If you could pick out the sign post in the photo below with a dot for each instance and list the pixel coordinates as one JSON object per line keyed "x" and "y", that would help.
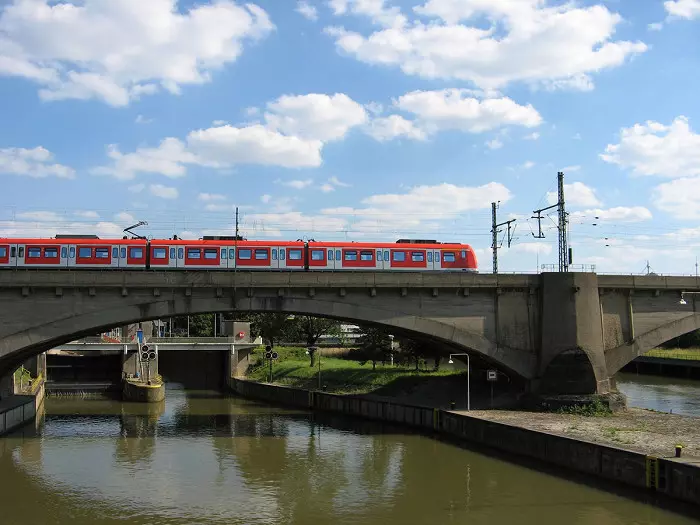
{"x": 491, "y": 377}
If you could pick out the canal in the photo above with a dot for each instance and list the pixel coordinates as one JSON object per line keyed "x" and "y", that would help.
{"x": 665, "y": 394}
{"x": 202, "y": 458}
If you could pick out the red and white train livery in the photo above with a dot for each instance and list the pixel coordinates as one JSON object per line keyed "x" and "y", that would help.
{"x": 227, "y": 254}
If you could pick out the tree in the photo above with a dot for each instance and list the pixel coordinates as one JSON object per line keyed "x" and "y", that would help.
{"x": 270, "y": 326}
{"x": 375, "y": 344}
{"x": 310, "y": 329}
{"x": 202, "y": 325}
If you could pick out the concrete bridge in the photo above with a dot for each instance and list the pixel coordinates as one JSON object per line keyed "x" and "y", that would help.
{"x": 563, "y": 333}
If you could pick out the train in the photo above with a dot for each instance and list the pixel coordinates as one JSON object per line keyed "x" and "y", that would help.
{"x": 234, "y": 253}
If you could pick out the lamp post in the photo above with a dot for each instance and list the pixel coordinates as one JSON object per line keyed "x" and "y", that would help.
{"x": 391, "y": 349}
{"x": 318, "y": 358}
{"x": 469, "y": 400}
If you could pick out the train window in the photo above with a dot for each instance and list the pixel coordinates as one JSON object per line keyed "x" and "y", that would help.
{"x": 261, "y": 255}
{"x": 64, "y": 253}
{"x": 72, "y": 252}
{"x": 464, "y": 254}
{"x": 430, "y": 256}
{"x": 351, "y": 255}
{"x": 317, "y": 255}
{"x": 437, "y": 257}
{"x": 160, "y": 253}
{"x": 85, "y": 253}
{"x": 194, "y": 253}
{"x": 337, "y": 255}
{"x": 21, "y": 251}
{"x": 33, "y": 252}
{"x": 3, "y": 251}
{"x": 102, "y": 253}
{"x": 448, "y": 257}
{"x": 274, "y": 254}
{"x": 379, "y": 255}
{"x": 281, "y": 254}
{"x": 13, "y": 251}
{"x": 366, "y": 256}
{"x": 180, "y": 253}
{"x": 122, "y": 253}
{"x": 115, "y": 252}
{"x": 211, "y": 253}
{"x": 51, "y": 253}
{"x": 294, "y": 255}
{"x": 399, "y": 256}
{"x": 417, "y": 256}
{"x": 172, "y": 253}
{"x": 223, "y": 253}
{"x": 231, "y": 253}
{"x": 386, "y": 255}
{"x": 245, "y": 254}
{"x": 136, "y": 253}
{"x": 330, "y": 255}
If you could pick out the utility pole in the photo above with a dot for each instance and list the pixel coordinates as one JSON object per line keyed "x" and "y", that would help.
{"x": 494, "y": 234}
{"x": 564, "y": 252}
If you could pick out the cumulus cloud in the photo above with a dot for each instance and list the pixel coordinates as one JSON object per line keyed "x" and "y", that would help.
{"x": 494, "y": 144}
{"x": 688, "y": 9}
{"x": 679, "y": 198}
{"x": 118, "y": 51}
{"x": 306, "y": 10}
{"x": 163, "y": 192}
{"x": 210, "y": 197}
{"x": 576, "y": 194}
{"x": 36, "y": 163}
{"x": 394, "y": 126}
{"x": 298, "y": 184}
{"x": 657, "y": 149}
{"x": 616, "y": 214}
{"x": 533, "y": 41}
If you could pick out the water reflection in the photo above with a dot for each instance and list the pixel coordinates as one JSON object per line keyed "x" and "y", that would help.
{"x": 204, "y": 458}
{"x": 665, "y": 394}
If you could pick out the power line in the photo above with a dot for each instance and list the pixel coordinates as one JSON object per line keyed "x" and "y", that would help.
{"x": 494, "y": 234}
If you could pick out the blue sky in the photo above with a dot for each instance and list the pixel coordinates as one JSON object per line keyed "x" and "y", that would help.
{"x": 359, "y": 120}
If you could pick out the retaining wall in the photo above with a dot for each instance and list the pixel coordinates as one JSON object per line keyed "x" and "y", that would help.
{"x": 17, "y": 410}
{"x": 143, "y": 393}
{"x": 678, "y": 479}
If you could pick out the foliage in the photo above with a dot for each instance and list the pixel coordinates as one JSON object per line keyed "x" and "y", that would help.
{"x": 692, "y": 354}
{"x": 596, "y": 408}
{"x": 202, "y": 325}
{"x": 272, "y": 327}
{"x": 310, "y": 329}
{"x": 376, "y": 345}
{"x": 689, "y": 340}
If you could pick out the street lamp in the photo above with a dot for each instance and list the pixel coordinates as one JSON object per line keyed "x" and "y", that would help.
{"x": 308, "y": 352}
{"x": 391, "y": 349}
{"x": 469, "y": 400}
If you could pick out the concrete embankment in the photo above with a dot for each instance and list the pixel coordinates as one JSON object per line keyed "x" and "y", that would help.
{"x": 676, "y": 478}
{"x": 142, "y": 392}
{"x": 18, "y": 410}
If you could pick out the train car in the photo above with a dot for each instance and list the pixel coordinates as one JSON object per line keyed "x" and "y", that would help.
{"x": 400, "y": 256}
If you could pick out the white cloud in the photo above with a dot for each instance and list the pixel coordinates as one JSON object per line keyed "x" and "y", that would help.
{"x": 542, "y": 248}
{"x": 528, "y": 165}
{"x": 465, "y": 110}
{"x": 265, "y": 198}
{"x": 576, "y": 194}
{"x": 326, "y": 188}
{"x": 298, "y": 184}
{"x": 617, "y": 214}
{"x": 306, "y": 10}
{"x": 530, "y": 41}
{"x": 140, "y": 119}
{"x": 137, "y": 188}
{"x": 393, "y": 126}
{"x": 494, "y": 144}
{"x": 218, "y": 123}
{"x": 44, "y": 224}
{"x": 532, "y": 136}
{"x": 683, "y": 8}
{"x": 657, "y": 26}
{"x": 125, "y": 217}
{"x": 34, "y": 163}
{"x": 336, "y": 182}
{"x": 163, "y": 192}
{"x": 209, "y": 197}
{"x": 315, "y": 116}
{"x": 87, "y": 214}
{"x": 656, "y": 149}
{"x": 679, "y": 198}
{"x": 117, "y": 51}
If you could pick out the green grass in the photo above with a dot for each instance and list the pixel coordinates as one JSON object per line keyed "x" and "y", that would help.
{"x": 594, "y": 409}
{"x": 692, "y": 354}
{"x": 339, "y": 375}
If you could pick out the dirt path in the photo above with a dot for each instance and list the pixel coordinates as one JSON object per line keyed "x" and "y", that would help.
{"x": 634, "y": 429}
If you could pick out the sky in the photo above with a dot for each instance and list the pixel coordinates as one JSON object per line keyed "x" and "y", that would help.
{"x": 359, "y": 120}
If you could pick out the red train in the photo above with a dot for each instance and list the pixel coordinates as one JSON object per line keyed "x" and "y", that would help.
{"x": 221, "y": 253}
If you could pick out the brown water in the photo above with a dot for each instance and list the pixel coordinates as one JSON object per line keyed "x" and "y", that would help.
{"x": 665, "y": 394}
{"x": 202, "y": 458}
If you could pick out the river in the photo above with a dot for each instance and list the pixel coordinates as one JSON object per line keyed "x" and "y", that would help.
{"x": 203, "y": 458}
{"x": 665, "y": 394}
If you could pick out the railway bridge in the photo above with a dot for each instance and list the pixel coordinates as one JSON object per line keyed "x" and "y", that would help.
{"x": 564, "y": 333}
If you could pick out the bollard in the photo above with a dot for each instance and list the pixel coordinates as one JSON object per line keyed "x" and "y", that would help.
{"x": 679, "y": 448}
{"x": 453, "y": 405}
{"x": 325, "y": 387}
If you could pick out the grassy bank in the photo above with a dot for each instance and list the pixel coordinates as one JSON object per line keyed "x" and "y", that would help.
{"x": 692, "y": 354}
{"x": 343, "y": 376}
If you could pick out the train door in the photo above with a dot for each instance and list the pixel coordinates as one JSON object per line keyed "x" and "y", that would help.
{"x": 17, "y": 252}
{"x": 5, "y": 250}
{"x": 379, "y": 259}
{"x": 275, "y": 258}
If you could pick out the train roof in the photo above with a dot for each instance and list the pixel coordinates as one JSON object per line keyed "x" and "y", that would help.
{"x": 73, "y": 240}
{"x": 200, "y": 242}
{"x": 388, "y": 245}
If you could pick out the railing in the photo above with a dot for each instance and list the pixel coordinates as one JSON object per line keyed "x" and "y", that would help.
{"x": 685, "y": 354}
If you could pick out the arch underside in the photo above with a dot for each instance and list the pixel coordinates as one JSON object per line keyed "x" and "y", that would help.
{"x": 16, "y": 347}
{"x": 620, "y": 356}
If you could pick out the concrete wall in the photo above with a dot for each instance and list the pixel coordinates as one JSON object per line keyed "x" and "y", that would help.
{"x": 16, "y": 411}
{"x": 143, "y": 393}
{"x": 677, "y": 479}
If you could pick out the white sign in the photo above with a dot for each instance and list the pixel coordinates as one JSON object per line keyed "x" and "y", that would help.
{"x": 491, "y": 375}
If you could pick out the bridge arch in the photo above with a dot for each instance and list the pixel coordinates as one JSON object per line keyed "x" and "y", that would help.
{"x": 620, "y": 356}
{"x": 16, "y": 347}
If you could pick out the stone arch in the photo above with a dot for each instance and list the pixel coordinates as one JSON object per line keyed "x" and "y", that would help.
{"x": 617, "y": 358}
{"x": 19, "y": 346}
